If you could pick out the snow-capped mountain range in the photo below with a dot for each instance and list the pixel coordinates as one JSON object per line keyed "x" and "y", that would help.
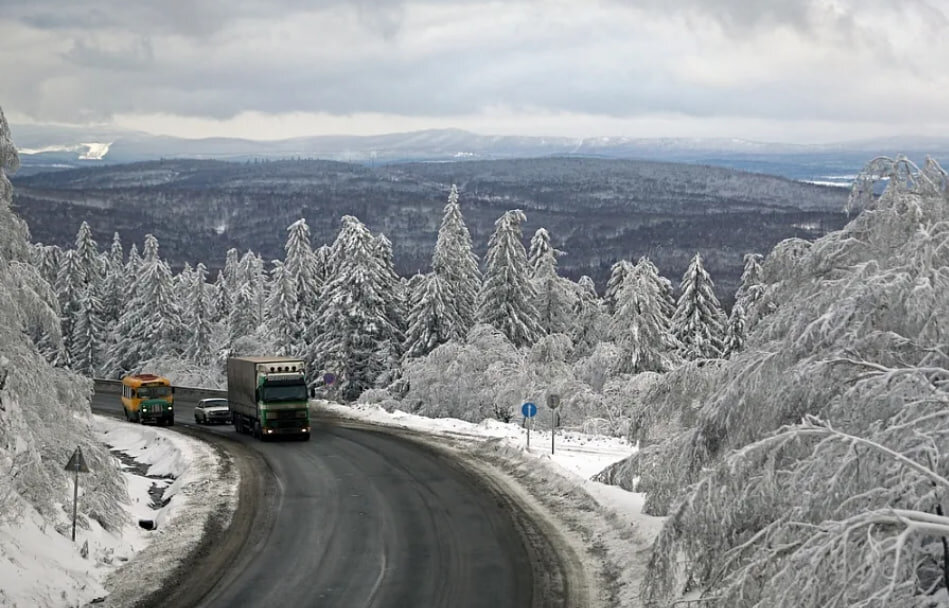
{"x": 50, "y": 147}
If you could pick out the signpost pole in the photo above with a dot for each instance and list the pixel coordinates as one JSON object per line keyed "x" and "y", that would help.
{"x": 553, "y": 400}
{"x": 77, "y": 465}
{"x": 529, "y": 410}
{"x": 75, "y": 498}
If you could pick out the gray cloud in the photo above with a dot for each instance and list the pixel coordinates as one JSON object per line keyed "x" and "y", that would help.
{"x": 219, "y": 58}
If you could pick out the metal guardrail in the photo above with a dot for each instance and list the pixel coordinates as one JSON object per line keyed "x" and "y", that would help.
{"x": 115, "y": 386}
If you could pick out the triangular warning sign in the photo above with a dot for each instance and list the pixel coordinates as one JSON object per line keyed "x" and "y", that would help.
{"x": 77, "y": 462}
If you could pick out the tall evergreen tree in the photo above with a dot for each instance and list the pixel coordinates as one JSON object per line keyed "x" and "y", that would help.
{"x": 698, "y": 322}
{"x": 589, "y": 316}
{"x": 456, "y": 265}
{"x": 619, "y": 273}
{"x": 301, "y": 266}
{"x": 394, "y": 297}
{"x": 151, "y": 323}
{"x": 198, "y": 316}
{"x": 751, "y": 291}
{"x": 430, "y": 321}
{"x": 735, "y": 331}
{"x": 507, "y": 297}
{"x": 354, "y": 337}
{"x": 640, "y": 326}
{"x": 282, "y": 314}
{"x": 555, "y": 296}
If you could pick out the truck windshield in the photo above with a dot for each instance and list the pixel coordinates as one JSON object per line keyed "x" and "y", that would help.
{"x": 284, "y": 392}
{"x": 147, "y": 392}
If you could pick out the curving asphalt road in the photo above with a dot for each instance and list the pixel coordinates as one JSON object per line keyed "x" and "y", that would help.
{"x": 356, "y": 518}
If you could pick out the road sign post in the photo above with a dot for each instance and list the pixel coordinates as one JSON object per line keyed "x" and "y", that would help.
{"x": 529, "y": 410}
{"x": 77, "y": 465}
{"x": 553, "y": 401}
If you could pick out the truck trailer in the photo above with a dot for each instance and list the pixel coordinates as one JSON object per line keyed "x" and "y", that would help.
{"x": 267, "y": 397}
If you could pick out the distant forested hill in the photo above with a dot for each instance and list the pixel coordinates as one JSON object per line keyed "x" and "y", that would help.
{"x": 596, "y": 210}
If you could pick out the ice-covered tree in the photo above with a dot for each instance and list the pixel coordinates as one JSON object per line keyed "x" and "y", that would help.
{"x": 430, "y": 320}
{"x": 751, "y": 291}
{"x": 198, "y": 317}
{"x": 640, "y": 327}
{"x": 555, "y": 296}
{"x": 541, "y": 252}
{"x": 114, "y": 283}
{"x": 455, "y": 264}
{"x": 353, "y": 335}
{"x": 282, "y": 317}
{"x": 151, "y": 324}
{"x": 698, "y": 322}
{"x": 845, "y": 507}
{"x": 44, "y": 411}
{"x": 507, "y": 297}
{"x": 619, "y": 273}
{"x": 589, "y": 318}
{"x": 304, "y": 269}
{"x": 246, "y": 291}
{"x": 735, "y": 331}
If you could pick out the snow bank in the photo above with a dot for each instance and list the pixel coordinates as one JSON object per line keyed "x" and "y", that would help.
{"x": 41, "y": 567}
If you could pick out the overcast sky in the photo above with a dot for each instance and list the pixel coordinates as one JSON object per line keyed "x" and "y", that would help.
{"x": 775, "y": 70}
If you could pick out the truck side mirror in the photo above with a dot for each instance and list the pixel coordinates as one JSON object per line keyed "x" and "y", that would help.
{"x": 172, "y": 390}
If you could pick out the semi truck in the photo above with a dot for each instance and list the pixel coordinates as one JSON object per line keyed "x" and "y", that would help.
{"x": 267, "y": 397}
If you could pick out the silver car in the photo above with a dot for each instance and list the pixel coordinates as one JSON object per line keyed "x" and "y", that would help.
{"x": 212, "y": 411}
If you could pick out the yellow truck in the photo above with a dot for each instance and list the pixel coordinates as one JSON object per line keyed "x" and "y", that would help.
{"x": 148, "y": 398}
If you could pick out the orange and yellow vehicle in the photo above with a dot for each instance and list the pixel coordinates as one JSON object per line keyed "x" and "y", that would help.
{"x": 148, "y": 398}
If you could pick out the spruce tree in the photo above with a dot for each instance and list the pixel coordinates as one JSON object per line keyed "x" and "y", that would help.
{"x": 303, "y": 268}
{"x": 353, "y": 335}
{"x": 619, "y": 273}
{"x": 198, "y": 315}
{"x": 456, "y": 265}
{"x": 281, "y": 312}
{"x": 507, "y": 297}
{"x": 640, "y": 326}
{"x": 698, "y": 323}
{"x": 151, "y": 323}
{"x": 430, "y": 321}
{"x": 555, "y": 296}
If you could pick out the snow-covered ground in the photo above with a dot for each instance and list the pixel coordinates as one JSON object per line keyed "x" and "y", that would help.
{"x": 39, "y": 566}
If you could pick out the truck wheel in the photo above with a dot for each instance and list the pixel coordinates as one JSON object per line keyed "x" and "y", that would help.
{"x": 170, "y": 422}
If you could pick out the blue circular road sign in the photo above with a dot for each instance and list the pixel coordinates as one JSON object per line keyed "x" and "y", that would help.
{"x": 329, "y": 378}
{"x": 529, "y": 410}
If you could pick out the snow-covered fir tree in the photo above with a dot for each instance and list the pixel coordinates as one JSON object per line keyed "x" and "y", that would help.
{"x": 735, "y": 331}
{"x": 640, "y": 327}
{"x": 198, "y": 318}
{"x": 698, "y": 322}
{"x": 751, "y": 291}
{"x": 619, "y": 272}
{"x": 391, "y": 292}
{"x": 589, "y": 318}
{"x": 151, "y": 324}
{"x": 456, "y": 265}
{"x": 430, "y": 320}
{"x": 507, "y": 297}
{"x": 813, "y": 471}
{"x": 354, "y": 337}
{"x": 305, "y": 270}
{"x": 282, "y": 317}
{"x": 44, "y": 411}
{"x": 246, "y": 291}
{"x": 555, "y": 297}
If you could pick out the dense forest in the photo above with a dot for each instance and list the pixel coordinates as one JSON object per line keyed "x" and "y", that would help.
{"x": 596, "y": 211}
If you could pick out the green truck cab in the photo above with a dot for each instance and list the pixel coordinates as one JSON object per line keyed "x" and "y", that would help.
{"x": 268, "y": 397}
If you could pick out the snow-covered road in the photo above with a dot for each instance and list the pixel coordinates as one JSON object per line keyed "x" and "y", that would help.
{"x": 192, "y": 482}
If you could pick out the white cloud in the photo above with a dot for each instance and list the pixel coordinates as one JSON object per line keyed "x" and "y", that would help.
{"x": 429, "y": 64}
